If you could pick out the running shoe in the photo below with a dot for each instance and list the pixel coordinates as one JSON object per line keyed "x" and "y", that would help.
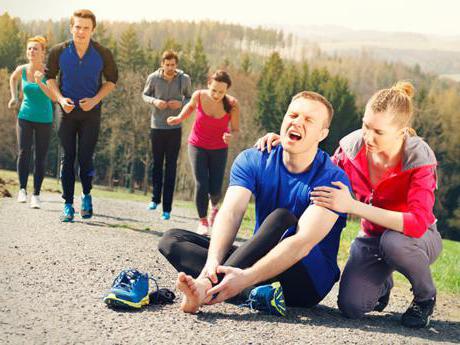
{"x": 418, "y": 314}
{"x": 203, "y": 227}
{"x": 68, "y": 213}
{"x": 130, "y": 290}
{"x": 22, "y": 195}
{"x": 35, "y": 201}
{"x": 152, "y": 206}
{"x": 267, "y": 298}
{"x": 86, "y": 210}
{"x": 166, "y": 215}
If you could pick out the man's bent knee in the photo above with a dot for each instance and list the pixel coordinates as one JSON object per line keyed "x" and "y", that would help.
{"x": 283, "y": 216}
{"x": 168, "y": 242}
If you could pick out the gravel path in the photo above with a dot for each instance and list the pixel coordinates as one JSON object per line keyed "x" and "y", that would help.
{"x": 54, "y": 275}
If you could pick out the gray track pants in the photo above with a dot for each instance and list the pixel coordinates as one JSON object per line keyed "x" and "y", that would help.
{"x": 368, "y": 273}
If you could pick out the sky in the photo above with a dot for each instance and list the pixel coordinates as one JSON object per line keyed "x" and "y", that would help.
{"x": 423, "y": 16}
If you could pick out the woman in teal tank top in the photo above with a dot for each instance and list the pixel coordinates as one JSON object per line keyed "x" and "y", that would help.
{"x": 35, "y": 117}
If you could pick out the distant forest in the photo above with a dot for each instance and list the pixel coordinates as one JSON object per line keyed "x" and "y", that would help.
{"x": 267, "y": 67}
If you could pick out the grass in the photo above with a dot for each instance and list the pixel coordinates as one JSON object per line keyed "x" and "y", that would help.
{"x": 446, "y": 270}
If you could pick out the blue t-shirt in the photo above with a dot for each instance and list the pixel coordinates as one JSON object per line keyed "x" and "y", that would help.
{"x": 273, "y": 186}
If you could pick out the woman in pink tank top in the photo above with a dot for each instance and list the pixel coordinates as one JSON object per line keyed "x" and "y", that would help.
{"x": 216, "y": 125}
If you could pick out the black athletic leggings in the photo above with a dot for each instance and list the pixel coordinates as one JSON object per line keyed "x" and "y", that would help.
{"x": 208, "y": 168}
{"x": 26, "y": 131}
{"x": 83, "y": 125}
{"x": 188, "y": 251}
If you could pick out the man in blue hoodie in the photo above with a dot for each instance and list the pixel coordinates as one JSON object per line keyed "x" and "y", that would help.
{"x": 167, "y": 89}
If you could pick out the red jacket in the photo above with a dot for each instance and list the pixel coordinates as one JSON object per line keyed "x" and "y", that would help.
{"x": 408, "y": 189}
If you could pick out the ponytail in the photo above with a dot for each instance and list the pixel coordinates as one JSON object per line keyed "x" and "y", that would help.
{"x": 411, "y": 132}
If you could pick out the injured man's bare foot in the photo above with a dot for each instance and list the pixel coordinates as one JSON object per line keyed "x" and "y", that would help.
{"x": 194, "y": 291}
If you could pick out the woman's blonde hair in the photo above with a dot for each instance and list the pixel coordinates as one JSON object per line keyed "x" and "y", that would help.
{"x": 38, "y": 39}
{"x": 396, "y": 100}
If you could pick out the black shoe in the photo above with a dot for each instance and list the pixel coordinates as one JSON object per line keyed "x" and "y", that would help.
{"x": 418, "y": 314}
{"x": 382, "y": 302}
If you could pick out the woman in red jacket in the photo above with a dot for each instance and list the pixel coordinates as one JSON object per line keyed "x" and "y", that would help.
{"x": 393, "y": 176}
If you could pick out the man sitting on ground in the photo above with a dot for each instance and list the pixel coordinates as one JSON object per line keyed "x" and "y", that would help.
{"x": 295, "y": 242}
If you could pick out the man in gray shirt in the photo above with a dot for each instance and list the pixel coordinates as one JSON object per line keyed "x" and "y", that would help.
{"x": 167, "y": 89}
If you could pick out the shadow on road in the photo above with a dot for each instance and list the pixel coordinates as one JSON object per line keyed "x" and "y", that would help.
{"x": 324, "y": 316}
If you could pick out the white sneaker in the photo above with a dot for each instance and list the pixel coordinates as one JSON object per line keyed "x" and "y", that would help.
{"x": 35, "y": 201}
{"x": 203, "y": 228}
{"x": 22, "y": 195}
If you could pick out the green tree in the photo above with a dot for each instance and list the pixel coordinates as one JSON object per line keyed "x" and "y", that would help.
{"x": 305, "y": 76}
{"x": 105, "y": 37}
{"x": 288, "y": 85}
{"x": 268, "y": 115}
{"x": 130, "y": 54}
{"x": 171, "y": 44}
{"x": 346, "y": 118}
{"x": 199, "y": 67}
{"x": 11, "y": 42}
{"x": 245, "y": 64}
{"x": 185, "y": 58}
{"x": 8, "y": 141}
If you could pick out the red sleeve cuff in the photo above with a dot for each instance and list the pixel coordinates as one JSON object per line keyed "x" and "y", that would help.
{"x": 412, "y": 227}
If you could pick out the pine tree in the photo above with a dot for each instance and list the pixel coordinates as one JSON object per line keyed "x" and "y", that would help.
{"x": 171, "y": 44}
{"x": 185, "y": 58}
{"x": 346, "y": 119}
{"x": 268, "y": 114}
{"x": 100, "y": 34}
{"x": 288, "y": 85}
{"x": 130, "y": 54}
{"x": 245, "y": 64}
{"x": 305, "y": 76}
{"x": 199, "y": 66}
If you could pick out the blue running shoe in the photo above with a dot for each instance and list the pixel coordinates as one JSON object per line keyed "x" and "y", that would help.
{"x": 67, "y": 214}
{"x": 166, "y": 215}
{"x": 86, "y": 210}
{"x": 152, "y": 206}
{"x": 268, "y": 298}
{"x": 130, "y": 290}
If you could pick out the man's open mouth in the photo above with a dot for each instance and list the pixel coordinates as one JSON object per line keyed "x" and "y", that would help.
{"x": 294, "y": 135}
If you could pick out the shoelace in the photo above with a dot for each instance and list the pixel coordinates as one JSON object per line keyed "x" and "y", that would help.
{"x": 249, "y": 304}
{"x": 416, "y": 310}
{"x": 156, "y": 284}
{"x": 130, "y": 275}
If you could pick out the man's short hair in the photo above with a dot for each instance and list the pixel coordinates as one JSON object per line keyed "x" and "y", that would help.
{"x": 87, "y": 14}
{"x": 319, "y": 98}
{"x": 169, "y": 55}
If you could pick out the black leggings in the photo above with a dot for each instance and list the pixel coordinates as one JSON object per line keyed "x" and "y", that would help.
{"x": 83, "y": 125}
{"x": 208, "y": 168}
{"x": 188, "y": 251}
{"x": 26, "y": 131}
{"x": 165, "y": 149}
